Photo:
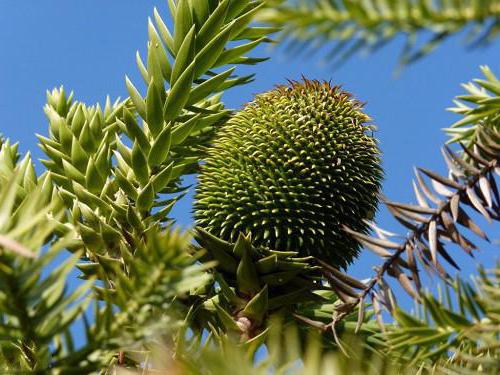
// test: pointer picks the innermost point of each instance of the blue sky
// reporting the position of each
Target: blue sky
(89, 46)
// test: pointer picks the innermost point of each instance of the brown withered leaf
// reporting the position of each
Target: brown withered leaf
(401, 262)
(474, 156)
(462, 163)
(441, 189)
(425, 189)
(346, 307)
(432, 235)
(388, 299)
(452, 165)
(454, 202)
(489, 141)
(448, 224)
(412, 208)
(480, 148)
(494, 190)
(313, 323)
(485, 188)
(443, 235)
(488, 155)
(413, 266)
(410, 215)
(455, 235)
(405, 283)
(442, 251)
(381, 233)
(361, 315)
(443, 180)
(351, 281)
(423, 255)
(464, 220)
(377, 241)
(344, 297)
(420, 198)
(441, 271)
(378, 312)
(336, 337)
(476, 203)
(380, 251)
(428, 260)
(401, 218)
(339, 286)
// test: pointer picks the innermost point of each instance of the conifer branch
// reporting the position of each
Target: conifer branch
(352, 26)
(474, 185)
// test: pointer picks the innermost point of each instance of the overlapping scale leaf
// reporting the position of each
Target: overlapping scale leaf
(116, 168)
(80, 142)
(37, 309)
(11, 165)
(291, 168)
(80, 148)
(35, 306)
(29, 209)
(254, 281)
(184, 59)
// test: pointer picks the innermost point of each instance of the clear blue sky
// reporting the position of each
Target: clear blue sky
(88, 46)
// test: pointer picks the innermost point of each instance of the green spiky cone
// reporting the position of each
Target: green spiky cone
(292, 168)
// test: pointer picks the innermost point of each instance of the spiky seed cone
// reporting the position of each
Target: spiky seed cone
(291, 168)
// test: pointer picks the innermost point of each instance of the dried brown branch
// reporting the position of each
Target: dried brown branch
(470, 183)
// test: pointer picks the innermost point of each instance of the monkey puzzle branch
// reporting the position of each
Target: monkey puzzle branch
(344, 285)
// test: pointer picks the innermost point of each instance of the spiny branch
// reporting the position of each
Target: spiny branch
(474, 186)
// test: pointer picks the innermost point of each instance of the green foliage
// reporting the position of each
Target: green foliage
(462, 335)
(114, 176)
(484, 96)
(288, 351)
(116, 192)
(151, 300)
(291, 168)
(26, 201)
(119, 170)
(144, 300)
(253, 282)
(37, 311)
(351, 26)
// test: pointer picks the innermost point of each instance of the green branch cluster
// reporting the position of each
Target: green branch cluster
(468, 327)
(484, 114)
(351, 26)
